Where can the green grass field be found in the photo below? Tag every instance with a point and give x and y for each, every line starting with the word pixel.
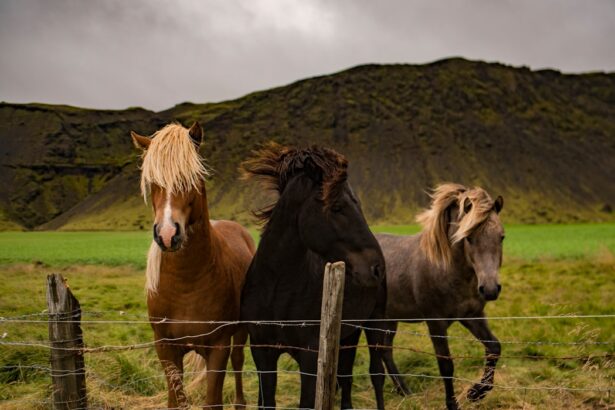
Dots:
pixel 526 242
pixel 548 270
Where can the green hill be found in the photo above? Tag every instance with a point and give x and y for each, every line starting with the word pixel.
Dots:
pixel 542 139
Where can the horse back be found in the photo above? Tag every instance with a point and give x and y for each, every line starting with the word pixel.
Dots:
pixel 403 275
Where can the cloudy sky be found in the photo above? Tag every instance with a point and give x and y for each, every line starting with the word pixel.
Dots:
pixel 157 53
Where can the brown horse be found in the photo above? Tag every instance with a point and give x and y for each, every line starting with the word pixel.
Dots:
pixel 449 270
pixel 195 267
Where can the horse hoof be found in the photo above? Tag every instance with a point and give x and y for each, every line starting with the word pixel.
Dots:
pixel 479 391
pixel 452 405
pixel 403 390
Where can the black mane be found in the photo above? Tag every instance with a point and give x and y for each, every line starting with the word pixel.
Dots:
pixel 274 165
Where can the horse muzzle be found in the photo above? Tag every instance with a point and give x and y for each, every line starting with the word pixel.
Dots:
pixel 367 271
pixel 490 293
pixel 168 238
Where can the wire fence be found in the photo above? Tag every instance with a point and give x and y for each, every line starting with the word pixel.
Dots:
pixel 601 350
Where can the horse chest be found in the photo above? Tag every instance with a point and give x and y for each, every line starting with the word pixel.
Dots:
pixel 189 311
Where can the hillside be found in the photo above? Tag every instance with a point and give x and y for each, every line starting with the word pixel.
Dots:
pixel 544 140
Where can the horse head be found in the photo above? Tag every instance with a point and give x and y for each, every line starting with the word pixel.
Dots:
pixel 173 176
pixel 482 242
pixel 312 185
pixel 469 219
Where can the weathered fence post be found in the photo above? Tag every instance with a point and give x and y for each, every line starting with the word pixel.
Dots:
pixel 330 323
pixel 66 337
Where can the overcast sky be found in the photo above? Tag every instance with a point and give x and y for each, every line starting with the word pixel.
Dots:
pixel 157 53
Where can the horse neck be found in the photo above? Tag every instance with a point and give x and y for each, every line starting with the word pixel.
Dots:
pixel 199 250
pixel 282 229
pixel 458 270
pixel 459 262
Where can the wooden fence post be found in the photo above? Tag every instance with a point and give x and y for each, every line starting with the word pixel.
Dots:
pixel 66 337
pixel 330 323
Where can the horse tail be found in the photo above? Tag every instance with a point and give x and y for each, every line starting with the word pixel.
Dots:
pixel 195 364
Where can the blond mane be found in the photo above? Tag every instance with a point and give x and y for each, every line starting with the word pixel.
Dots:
pixel 435 241
pixel 172 162
pixel 152 271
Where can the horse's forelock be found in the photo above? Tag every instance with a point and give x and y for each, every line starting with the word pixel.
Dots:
pixel 468 222
pixel 172 162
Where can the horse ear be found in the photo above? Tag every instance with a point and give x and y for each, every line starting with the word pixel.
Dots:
pixel 196 133
pixel 467 205
pixel 498 204
pixel 140 141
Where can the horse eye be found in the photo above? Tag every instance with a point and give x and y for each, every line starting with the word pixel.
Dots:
pixel 469 240
pixel 336 208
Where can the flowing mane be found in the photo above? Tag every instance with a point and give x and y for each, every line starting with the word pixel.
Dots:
pixel 435 240
pixel 275 164
pixel 172 162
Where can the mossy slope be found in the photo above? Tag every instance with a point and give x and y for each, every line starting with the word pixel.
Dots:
pixel 544 140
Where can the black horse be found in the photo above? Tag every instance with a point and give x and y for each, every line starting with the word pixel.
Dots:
pixel 316 219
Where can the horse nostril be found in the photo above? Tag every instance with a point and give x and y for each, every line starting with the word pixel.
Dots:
pixel 481 290
pixel 499 289
pixel 176 239
pixel 157 237
pixel 376 270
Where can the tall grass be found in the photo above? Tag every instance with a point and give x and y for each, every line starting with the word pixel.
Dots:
pixel 548 270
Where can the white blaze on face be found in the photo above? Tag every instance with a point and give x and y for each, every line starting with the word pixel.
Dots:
pixel 167 228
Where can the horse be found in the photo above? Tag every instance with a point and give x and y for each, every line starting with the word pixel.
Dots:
pixel 195 266
pixel 315 219
pixel 448 270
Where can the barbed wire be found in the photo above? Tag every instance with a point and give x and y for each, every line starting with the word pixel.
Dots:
pixel 473 339
pixel 356 323
pixel 369 374
pixel 304 322
pixel 168 342
pixel 599 389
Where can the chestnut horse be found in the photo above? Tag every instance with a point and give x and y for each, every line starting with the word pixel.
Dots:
pixel 449 270
pixel 195 267
pixel 316 219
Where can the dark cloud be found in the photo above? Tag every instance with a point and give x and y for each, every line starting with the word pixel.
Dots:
pixel 156 53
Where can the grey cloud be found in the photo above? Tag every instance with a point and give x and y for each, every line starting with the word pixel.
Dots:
pixel 155 53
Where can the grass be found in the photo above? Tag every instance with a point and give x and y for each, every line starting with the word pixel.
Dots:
pixel 535 242
pixel 58 248
pixel 523 242
pixel 548 270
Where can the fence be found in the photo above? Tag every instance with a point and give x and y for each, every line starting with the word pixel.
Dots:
pixel 68 372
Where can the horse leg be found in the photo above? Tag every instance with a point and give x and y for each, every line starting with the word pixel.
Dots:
pixel 480 330
pixel 237 360
pixel 217 358
pixel 171 358
pixel 438 333
pixel 387 356
pixel 375 339
pixel 348 351
pixel 266 361
pixel 308 365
